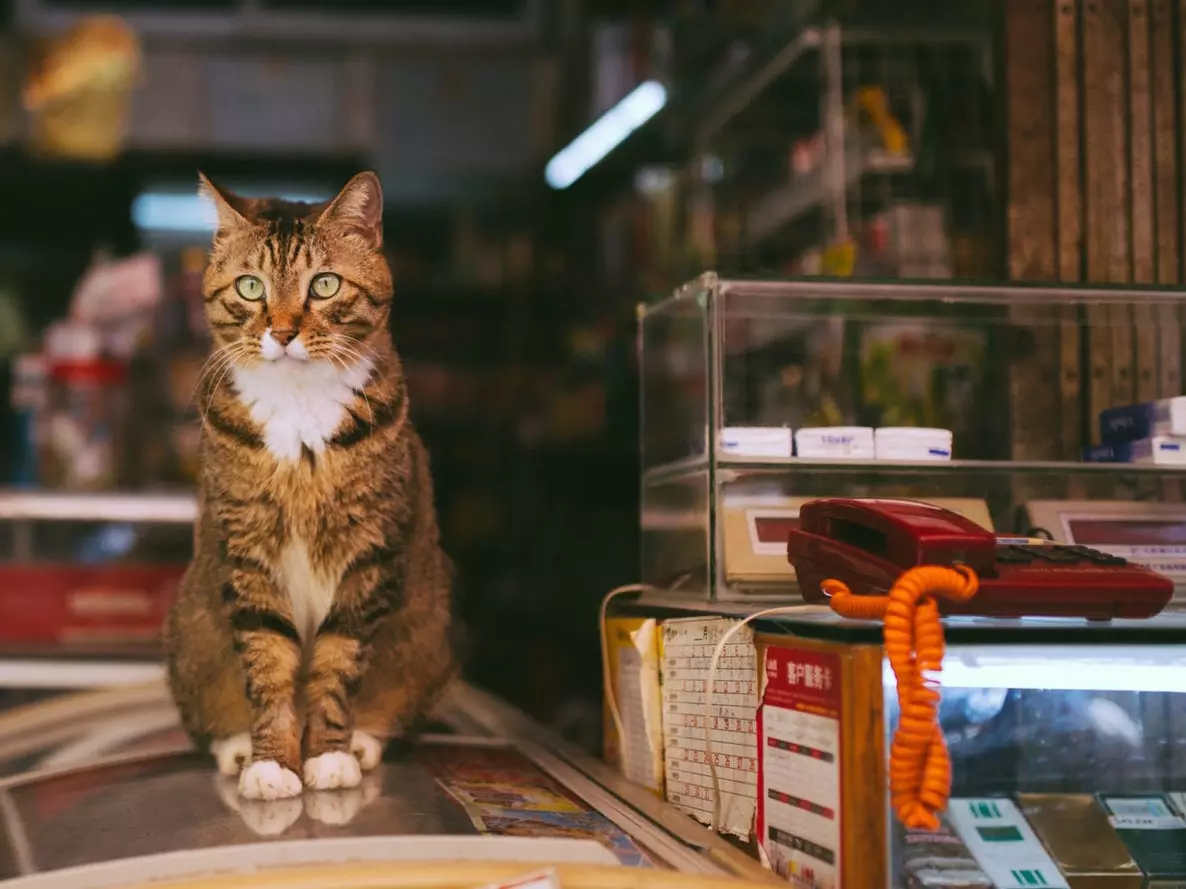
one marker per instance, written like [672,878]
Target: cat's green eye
[250,287]
[325,285]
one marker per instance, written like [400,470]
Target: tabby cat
[314,618]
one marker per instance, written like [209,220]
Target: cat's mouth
[271,349]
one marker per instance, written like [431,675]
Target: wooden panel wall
[1093,152]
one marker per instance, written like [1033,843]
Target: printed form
[688,715]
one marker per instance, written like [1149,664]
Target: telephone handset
[868,544]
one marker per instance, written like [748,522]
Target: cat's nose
[284,335]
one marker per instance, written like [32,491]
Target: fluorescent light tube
[158,211]
[607,133]
[1103,668]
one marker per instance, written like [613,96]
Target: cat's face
[298,282]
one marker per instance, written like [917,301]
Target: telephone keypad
[1022,554]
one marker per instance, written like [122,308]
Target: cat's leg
[205,676]
[335,667]
[411,663]
[269,650]
[342,649]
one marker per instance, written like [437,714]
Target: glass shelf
[678,469]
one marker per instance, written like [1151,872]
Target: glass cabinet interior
[1052,739]
[1018,375]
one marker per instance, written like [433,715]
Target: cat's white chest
[299,403]
[310,592]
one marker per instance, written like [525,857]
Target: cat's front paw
[267,779]
[332,770]
[232,754]
[367,749]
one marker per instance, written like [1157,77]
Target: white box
[836,443]
[912,443]
[756,441]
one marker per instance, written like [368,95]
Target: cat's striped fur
[316,607]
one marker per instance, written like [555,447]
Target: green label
[1029,878]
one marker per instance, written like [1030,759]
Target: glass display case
[1066,739]
[1068,766]
[759,395]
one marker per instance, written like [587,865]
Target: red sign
[100,605]
[799,762]
[799,679]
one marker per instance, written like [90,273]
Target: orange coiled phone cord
[919,765]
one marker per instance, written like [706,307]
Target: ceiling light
[607,133]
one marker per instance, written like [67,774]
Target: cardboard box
[1076,832]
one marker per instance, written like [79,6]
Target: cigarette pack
[1076,832]
[1166,416]
[1161,450]
[836,443]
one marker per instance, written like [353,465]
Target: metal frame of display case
[706,298]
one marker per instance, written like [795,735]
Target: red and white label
[799,744]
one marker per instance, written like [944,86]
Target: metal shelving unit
[794,166]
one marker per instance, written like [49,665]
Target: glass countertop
[176,803]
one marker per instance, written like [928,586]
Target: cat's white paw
[330,771]
[367,749]
[267,779]
[232,754]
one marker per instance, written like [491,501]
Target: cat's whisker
[340,345]
[228,353]
[342,355]
[202,390]
[356,344]
[212,363]
[339,361]
[227,366]
[349,345]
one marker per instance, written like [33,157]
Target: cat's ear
[358,208]
[232,210]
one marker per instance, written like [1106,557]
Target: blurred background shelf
[73,674]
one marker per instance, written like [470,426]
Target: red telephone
[867,544]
